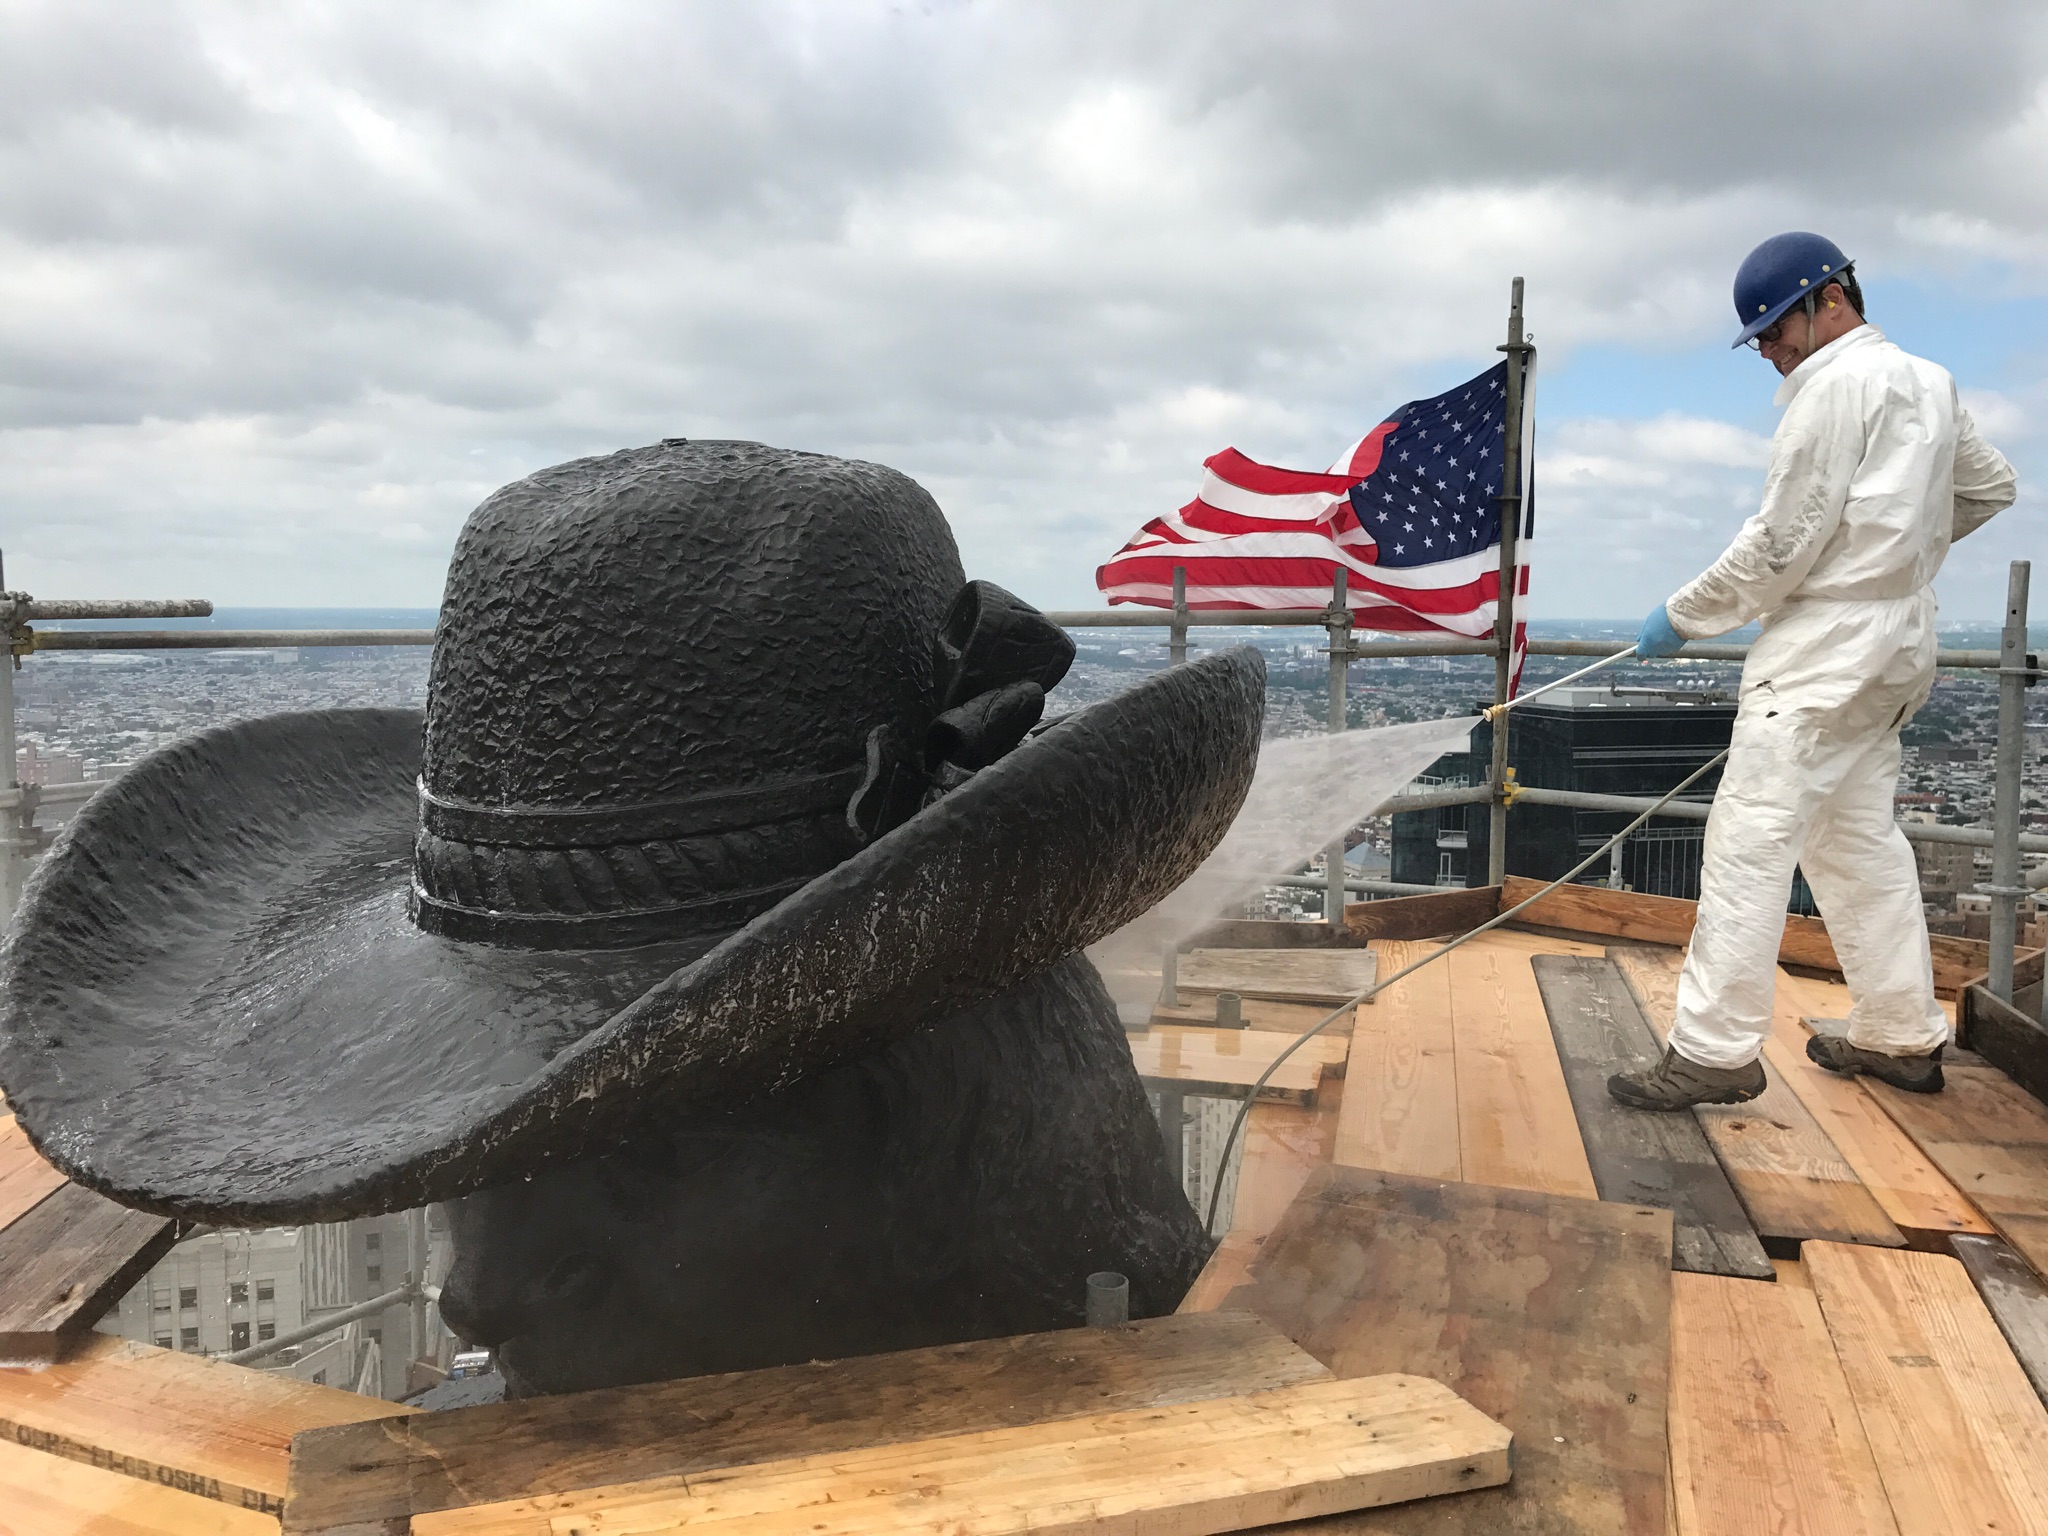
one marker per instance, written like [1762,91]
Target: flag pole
[1517,350]
[1340,696]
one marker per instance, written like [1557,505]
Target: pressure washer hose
[1237,1125]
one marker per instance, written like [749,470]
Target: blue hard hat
[1779,273]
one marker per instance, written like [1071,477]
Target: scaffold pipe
[117,608]
[221,639]
[328,1324]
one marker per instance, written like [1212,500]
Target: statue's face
[623,1269]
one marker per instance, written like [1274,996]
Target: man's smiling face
[1795,336]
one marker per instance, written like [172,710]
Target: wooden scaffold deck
[1821,1311]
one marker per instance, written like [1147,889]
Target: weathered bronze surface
[735,888]
[958,1184]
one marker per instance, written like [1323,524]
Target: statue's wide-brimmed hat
[723,780]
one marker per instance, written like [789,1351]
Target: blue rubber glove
[1658,637]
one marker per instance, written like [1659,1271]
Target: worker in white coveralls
[1875,469]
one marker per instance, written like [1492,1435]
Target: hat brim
[213,1005]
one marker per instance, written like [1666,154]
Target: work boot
[1915,1074]
[1675,1083]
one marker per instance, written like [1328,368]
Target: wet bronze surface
[216,1004]
[960,1183]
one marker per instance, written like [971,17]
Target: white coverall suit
[1875,469]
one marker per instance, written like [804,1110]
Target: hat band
[595,930]
[719,810]
[613,877]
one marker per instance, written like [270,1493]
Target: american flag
[1411,511]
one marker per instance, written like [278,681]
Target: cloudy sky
[285,290]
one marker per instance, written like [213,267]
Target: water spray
[1366,996]
[1495,711]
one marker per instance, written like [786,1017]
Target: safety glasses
[1776,328]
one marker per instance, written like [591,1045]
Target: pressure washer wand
[1495,711]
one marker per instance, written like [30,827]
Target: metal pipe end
[1109,1299]
[1229,1010]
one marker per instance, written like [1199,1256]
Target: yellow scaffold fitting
[1511,789]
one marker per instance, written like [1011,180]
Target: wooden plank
[1594,909]
[42,1495]
[1199,1011]
[1550,1315]
[1222,1465]
[1284,1144]
[2008,1039]
[1422,917]
[1254,933]
[1648,1159]
[1786,1168]
[1912,1191]
[1400,1110]
[2015,1296]
[1327,976]
[26,1180]
[1764,1434]
[1226,1063]
[1277,1090]
[1516,1128]
[1669,920]
[1793,1180]
[1828,996]
[65,1262]
[2028,965]
[364,1474]
[1536,941]
[1651,972]
[1228,1268]
[1253,1047]
[1990,1136]
[1960,1439]
[176,1420]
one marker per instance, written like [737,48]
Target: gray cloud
[284,293]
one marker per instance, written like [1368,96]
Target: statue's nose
[465,1309]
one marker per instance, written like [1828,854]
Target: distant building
[33,766]
[1946,870]
[1635,742]
[1974,909]
[225,1290]
[1595,740]
[219,1292]
[366,1258]
[1432,847]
